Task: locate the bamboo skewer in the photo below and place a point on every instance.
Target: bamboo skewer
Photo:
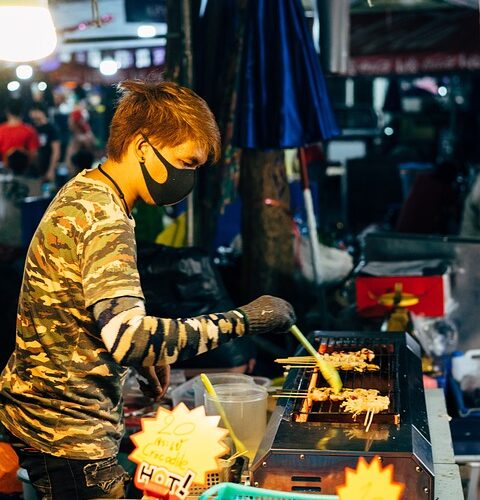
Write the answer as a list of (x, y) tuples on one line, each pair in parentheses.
[(288, 367), (290, 395), (291, 362), (294, 359), (309, 362), (369, 412)]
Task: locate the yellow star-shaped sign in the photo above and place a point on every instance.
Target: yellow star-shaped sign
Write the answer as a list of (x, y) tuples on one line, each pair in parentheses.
[(370, 482), (181, 441)]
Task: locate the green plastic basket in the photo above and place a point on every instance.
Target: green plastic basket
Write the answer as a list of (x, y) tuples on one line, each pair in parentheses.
[(232, 491)]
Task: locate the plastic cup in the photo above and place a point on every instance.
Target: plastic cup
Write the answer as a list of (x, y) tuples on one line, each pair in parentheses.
[(218, 379), (245, 406)]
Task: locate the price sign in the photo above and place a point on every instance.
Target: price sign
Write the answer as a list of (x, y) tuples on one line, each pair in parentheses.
[(177, 448), (370, 482)]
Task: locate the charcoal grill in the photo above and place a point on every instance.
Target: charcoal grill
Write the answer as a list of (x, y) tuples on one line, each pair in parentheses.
[(308, 445)]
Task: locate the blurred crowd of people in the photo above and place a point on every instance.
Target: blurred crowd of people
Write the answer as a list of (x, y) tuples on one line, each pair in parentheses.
[(33, 163)]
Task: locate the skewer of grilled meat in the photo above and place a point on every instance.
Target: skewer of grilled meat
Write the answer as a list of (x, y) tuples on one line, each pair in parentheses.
[(341, 360)]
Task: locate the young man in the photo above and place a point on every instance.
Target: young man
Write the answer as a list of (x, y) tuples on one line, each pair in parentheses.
[(49, 150), (81, 317)]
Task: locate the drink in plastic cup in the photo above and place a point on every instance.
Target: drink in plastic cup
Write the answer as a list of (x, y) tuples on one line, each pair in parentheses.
[(218, 379), (245, 406)]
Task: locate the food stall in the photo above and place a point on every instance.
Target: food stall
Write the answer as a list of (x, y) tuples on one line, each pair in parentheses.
[(318, 443)]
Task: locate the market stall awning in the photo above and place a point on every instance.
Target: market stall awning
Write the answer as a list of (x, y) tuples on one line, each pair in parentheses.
[(414, 42)]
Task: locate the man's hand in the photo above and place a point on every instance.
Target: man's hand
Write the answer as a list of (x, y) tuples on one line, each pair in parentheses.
[(158, 380), (269, 314)]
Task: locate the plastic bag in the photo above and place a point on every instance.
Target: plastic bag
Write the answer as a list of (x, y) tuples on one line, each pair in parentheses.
[(335, 264), (8, 470), (437, 336)]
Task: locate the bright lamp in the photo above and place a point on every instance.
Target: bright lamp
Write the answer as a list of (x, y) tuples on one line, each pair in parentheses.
[(27, 32)]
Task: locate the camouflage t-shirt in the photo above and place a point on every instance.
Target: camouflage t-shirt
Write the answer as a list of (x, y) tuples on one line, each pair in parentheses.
[(61, 389)]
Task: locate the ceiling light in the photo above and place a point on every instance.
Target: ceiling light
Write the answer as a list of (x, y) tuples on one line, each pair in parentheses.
[(388, 131), (146, 31), (24, 71), (13, 85), (442, 91), (27, 32), (108, 67)]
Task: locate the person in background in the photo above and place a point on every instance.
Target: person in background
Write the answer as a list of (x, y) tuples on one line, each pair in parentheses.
[(81, 135), (470, 224), (15, 134), (81, 160), (15, 186), (432, 205), (82, 318), (60, 119), (49, 151)]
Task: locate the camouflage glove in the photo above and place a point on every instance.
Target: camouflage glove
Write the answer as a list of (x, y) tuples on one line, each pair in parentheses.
[(268, 314)]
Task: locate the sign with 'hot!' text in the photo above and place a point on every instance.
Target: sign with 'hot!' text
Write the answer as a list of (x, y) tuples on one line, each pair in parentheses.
[(177, 448)]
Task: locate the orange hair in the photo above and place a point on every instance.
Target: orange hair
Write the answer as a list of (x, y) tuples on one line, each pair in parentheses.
[(165, 112)]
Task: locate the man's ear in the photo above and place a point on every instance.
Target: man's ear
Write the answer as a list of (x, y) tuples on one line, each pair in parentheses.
[(140, 146)]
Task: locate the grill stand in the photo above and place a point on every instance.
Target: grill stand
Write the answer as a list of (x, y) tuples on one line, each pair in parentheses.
[(311, 457)]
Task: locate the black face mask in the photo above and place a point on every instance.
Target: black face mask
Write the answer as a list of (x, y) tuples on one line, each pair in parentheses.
[(179, 184)]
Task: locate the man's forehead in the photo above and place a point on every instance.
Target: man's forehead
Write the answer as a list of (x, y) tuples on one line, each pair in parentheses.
[(191, 150)]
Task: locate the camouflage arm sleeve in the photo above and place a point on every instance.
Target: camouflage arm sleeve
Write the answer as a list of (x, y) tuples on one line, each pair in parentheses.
[(135, 339)]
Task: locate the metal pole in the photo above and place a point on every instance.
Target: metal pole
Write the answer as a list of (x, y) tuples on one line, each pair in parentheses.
[(311, 221), (188, 68)]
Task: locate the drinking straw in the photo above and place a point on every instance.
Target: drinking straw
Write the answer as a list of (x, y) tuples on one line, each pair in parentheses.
[(239, 446)]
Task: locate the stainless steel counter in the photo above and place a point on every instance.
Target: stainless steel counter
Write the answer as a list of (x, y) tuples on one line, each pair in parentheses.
[(448, 485)]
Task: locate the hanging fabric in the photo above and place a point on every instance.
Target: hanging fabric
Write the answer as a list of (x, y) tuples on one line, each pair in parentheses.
[(282, 95)]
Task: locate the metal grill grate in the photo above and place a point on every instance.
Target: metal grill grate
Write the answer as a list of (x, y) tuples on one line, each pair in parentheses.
[(384, 380)]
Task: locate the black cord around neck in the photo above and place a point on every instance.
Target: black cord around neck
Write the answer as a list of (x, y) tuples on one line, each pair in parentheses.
[(117, 187)]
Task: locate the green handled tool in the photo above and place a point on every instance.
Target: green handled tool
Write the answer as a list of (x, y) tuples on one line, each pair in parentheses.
[(328, 371)]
